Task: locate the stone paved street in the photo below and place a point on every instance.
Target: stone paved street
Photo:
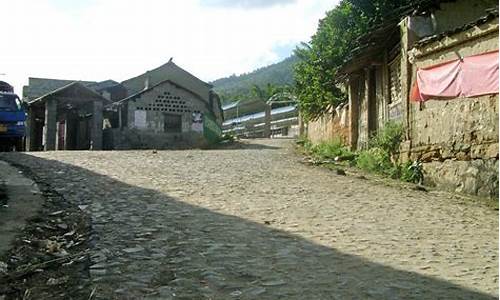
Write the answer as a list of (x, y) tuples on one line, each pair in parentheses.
[(255, 223)]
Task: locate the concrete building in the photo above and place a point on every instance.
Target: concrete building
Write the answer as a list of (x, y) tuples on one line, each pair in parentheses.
[(170, 71), (166, 108), (74, 106), (163, 108), (68, 118), (165, 115)]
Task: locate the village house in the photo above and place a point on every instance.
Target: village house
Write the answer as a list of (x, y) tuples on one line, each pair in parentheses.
[(163, 108), (67, 114), (450, 123), (166, 108)]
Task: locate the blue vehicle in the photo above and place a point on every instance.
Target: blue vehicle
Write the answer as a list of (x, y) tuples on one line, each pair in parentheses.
[(12, 119)]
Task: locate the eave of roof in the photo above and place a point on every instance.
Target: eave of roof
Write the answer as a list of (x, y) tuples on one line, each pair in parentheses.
[(70, 85), (377, 37)]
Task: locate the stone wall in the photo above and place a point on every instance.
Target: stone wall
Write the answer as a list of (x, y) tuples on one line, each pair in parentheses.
[(475, 177), (332, 125), (457, 139)]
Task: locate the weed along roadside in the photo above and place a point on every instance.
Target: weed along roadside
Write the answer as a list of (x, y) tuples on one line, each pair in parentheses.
[(381, 156)]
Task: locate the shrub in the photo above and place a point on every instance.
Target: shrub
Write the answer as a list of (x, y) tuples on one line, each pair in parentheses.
[(374, 160), (228, 137), (377, 159), (305, 144), (389, 138), (332, 150), (412, 172)]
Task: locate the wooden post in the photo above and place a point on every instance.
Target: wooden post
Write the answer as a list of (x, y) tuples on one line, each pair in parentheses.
[(353, 112), (406, 73)]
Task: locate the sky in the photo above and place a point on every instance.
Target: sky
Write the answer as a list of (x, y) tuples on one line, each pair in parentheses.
[(118, 39)]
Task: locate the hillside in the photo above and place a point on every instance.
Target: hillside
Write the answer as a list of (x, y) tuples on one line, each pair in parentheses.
[(235, 88)]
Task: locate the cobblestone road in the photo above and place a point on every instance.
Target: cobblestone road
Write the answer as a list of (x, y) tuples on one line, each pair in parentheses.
[(254, 223)]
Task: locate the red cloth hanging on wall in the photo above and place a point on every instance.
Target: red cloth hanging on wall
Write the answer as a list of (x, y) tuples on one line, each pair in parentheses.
[(472, 76)]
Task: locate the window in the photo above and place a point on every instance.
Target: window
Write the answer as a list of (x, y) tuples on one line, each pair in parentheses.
[(167, 103), (173, 123), (395, 80), (9, 102)]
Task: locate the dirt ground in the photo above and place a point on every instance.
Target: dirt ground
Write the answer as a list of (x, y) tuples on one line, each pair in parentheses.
[(254, 223), (43, 241), (14, 213)]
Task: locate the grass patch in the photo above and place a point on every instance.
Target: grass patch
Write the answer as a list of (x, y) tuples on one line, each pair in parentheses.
[(374, 160), (383, 148), (388, 139), (332, 150), (379, 158)]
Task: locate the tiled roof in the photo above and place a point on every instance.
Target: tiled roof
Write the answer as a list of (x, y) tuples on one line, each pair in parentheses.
[(168, 70), (490, 15), (38, 87), (75, 87)]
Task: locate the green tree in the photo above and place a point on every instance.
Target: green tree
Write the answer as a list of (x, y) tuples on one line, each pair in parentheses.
[(329, 48), (267, 91), (240, 87), (315, 73), (378, 11), (264, 93)]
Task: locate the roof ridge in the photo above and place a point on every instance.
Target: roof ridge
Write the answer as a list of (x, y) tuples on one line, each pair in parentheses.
[(167, 64), (57, 79)]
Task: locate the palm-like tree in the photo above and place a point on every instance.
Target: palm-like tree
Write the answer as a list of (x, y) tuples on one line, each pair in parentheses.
[(265, 94)]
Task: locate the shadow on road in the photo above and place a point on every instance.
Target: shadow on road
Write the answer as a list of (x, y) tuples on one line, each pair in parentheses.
[(198, 253)]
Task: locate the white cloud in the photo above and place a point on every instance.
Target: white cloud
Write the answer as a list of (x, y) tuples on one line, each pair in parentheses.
[(246, 3), (117, 39)]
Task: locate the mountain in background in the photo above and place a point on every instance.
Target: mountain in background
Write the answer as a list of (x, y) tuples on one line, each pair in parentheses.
[(234, 88)]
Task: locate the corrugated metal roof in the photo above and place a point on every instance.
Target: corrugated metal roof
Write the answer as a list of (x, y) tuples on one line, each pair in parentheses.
[(230, 105), (259, 115)]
